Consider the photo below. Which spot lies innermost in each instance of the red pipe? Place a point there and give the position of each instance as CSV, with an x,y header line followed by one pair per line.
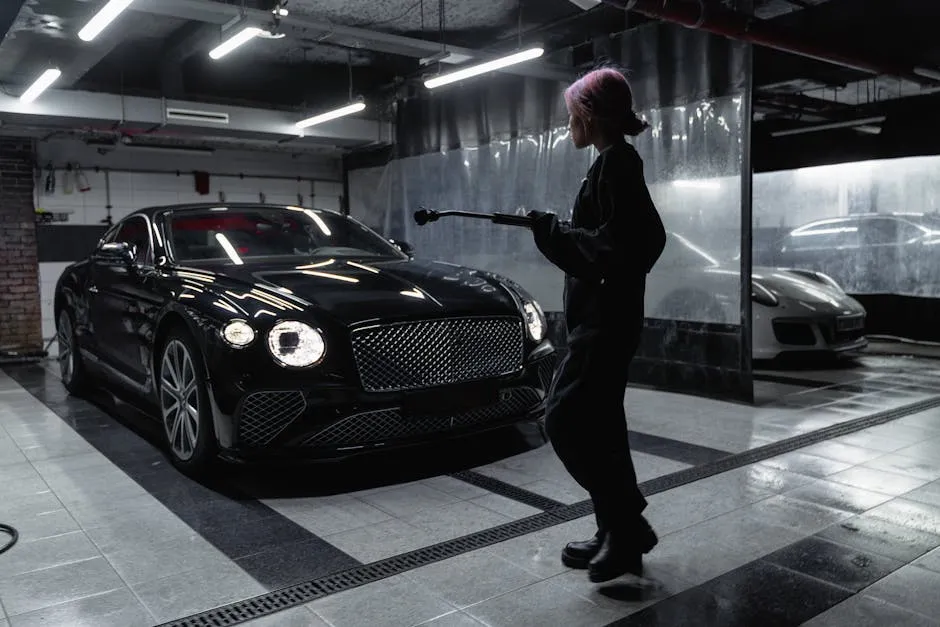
x,y
717,19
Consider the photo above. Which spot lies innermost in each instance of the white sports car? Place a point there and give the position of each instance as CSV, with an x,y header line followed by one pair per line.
x,y
793,311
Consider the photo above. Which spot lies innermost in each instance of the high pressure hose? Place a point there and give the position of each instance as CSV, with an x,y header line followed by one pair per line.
x,y
14,536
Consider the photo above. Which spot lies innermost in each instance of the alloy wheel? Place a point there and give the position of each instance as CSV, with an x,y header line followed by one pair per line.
x,y
66,355
179,399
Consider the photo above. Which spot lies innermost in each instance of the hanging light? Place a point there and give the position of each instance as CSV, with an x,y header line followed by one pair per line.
x,y
483,68
355,107
41,84
234,42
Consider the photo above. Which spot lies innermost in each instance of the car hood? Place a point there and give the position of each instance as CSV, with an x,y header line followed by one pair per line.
x,y
354,291
815,295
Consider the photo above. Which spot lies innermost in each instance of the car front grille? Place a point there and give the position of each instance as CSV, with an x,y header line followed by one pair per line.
x,y
389,424
414,355
266,414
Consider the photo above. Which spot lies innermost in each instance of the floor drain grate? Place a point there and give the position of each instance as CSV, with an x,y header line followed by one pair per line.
x,y
555,514
508,490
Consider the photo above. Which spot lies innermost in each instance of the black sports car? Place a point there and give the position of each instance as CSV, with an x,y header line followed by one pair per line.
x,y
255,330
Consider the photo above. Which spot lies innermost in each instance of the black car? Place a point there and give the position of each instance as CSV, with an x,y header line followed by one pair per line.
x,y
254,330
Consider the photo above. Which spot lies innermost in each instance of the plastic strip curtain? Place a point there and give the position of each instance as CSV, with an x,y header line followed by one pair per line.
x,y
692,158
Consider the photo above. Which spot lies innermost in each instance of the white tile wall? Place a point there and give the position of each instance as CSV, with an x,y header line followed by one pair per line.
x,y
131,191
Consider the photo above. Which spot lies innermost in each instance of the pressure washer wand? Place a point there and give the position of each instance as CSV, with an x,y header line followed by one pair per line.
x,y
424,216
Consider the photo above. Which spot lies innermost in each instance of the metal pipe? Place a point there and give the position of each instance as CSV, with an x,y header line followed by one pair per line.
x,y
716,18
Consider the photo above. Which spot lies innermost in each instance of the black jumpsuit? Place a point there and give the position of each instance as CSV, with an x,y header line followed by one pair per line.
x,y
612,242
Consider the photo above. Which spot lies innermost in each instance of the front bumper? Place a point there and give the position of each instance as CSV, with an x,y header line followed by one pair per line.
x,y
331,420
833,335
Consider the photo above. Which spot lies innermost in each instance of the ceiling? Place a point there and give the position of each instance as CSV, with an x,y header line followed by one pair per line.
x,y
330,50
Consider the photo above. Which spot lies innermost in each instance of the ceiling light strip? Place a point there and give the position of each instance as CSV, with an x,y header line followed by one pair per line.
x,y
483,68
103,19
45,80
355,107
234,42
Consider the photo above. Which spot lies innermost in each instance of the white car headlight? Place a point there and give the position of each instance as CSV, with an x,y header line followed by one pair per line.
x,y
534,320
238,334
296,344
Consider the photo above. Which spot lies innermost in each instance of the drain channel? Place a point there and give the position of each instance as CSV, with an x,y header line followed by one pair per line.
x,y
302,593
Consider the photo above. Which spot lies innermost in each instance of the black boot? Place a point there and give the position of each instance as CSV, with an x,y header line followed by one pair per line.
x,y
622,553
579,554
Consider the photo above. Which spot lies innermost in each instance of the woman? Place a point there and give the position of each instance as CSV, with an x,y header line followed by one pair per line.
x,y
614,238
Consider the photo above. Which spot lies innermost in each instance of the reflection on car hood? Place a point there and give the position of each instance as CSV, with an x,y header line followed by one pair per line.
x,y
359,290
815,294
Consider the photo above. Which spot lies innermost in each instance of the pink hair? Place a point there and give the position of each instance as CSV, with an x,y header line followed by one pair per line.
x,y
604,97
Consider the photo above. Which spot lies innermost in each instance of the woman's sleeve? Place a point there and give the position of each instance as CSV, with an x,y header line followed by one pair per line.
x,y
629,227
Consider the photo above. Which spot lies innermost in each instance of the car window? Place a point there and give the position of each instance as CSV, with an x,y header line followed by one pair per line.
x,y
136,231
245,233
828,234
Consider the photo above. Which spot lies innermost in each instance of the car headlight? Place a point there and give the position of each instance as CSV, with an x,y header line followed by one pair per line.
x,y
763,296
296,344
238,334
534,320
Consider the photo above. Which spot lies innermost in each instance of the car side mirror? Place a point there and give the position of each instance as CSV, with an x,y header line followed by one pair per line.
x,y
117,254
404,247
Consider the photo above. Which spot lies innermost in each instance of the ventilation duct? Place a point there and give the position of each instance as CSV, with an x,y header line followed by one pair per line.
x,y
192,115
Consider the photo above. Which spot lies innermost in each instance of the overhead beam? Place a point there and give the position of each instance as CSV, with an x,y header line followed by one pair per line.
x,y
187,41
81,109
348,36
9,10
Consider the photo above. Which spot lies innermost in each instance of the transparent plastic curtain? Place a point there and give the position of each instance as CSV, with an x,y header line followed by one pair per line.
x,y
692,157
873,226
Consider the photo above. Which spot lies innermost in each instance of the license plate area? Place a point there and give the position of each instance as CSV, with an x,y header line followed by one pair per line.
x,y
447,403
850,323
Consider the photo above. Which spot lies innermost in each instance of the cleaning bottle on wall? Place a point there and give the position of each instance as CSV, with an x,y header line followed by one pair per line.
x,y
49,186
81,180
68,181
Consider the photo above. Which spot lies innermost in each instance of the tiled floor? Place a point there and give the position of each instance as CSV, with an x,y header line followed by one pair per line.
x,y
845,531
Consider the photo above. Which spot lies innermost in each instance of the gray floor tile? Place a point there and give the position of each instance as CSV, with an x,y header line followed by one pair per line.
x,y
29,556
840,452
799,516
454,619
408,499
805,464
882,481
838,496
324,518
453,521
471,578
393,601
150,528
139,563
931,561
627,594
565,490
912,588
69,582
196,591
919,466
10,454
505,506
540,552
910,514
118,608
455,487
294,617
544,603
378,541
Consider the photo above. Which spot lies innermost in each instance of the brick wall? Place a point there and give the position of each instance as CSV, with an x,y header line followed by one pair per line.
x,y
20,313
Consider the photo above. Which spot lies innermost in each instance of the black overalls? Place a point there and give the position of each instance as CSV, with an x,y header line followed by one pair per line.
x,y
614,238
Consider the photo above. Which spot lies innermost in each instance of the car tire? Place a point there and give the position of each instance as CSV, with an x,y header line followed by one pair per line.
x,y
72,369
183,401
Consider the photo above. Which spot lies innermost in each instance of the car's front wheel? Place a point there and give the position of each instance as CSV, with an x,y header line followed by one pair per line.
x,y
184,406
71,367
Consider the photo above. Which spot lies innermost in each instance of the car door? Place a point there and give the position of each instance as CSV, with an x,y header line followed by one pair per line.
x,y
124,300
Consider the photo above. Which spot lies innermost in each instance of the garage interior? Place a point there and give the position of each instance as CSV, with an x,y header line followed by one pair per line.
x,y
791,460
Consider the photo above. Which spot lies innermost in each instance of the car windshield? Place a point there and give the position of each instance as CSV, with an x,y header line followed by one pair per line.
x,y
238,234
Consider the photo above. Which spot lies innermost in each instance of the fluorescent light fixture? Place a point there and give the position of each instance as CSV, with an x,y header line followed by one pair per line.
x,y
103,19
483,68
699,184
927,72
829,127
42,83
332,115
235,41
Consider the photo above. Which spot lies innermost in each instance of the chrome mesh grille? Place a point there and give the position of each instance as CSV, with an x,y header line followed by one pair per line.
x,y
388,424
265,414
437,352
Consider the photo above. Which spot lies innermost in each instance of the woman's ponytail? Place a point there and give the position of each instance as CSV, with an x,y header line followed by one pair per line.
x,y
633,125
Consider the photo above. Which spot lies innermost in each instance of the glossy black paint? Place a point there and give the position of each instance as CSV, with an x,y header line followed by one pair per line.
x,y
123,307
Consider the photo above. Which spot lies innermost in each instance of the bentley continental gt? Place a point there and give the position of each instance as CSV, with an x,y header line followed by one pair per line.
x,y
255,330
